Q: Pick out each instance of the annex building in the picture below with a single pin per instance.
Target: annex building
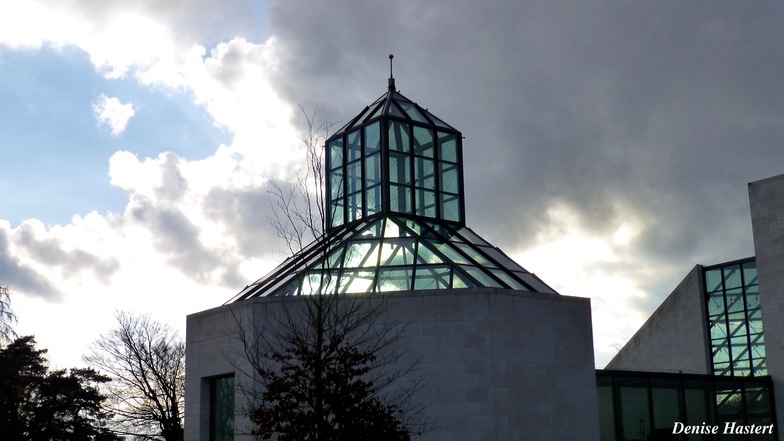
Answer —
(502, 355)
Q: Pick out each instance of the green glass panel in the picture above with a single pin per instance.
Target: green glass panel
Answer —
(713, 280)
(755, 325)
(447, 250)
(393, 110)
(425, 255)
(354, 146)
(729, 402)
(425, 203)
(336, 184)
(718, 329)
(450, 207)
(460, 280)
(354, 206)
(289, 289)
(734, 299)
(319, 282)
(471, 237)
(413, 225)
(449, 179)
(431, 277)
(412, 112)
(373, 169)
(752, 297)
(400, 198)
(373, 200)
(373, 230)
(606, 413)
(424, 173)
(480, 276)
(665, 408)
(336, 153)
(356, 281)
(372, 138)
(750, 273)
(354, 175)
(336, 257)
(447, 147)
(336, 210)
(501, 259)
(635, 417)
(736, 323)
(398, 252)
(508, 280)
(222, 409)
(697, 407)
(716, 303)
(399, 138)
(361, 254)
(399, 168)
(732, 277)
(394, 279)
(475, 255)
(392, 229)
(423, 142)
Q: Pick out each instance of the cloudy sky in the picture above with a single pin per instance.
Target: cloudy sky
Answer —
(607, 148)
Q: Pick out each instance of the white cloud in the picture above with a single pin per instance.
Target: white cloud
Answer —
(113, 113)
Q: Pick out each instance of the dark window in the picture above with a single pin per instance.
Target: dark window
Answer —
(222, 409)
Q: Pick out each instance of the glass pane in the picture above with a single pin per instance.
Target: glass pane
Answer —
(716, 303)
(336, 212)
(449, 180)
(450, 207)
(372, 138)
(222, 409)
(425, 203)
(460, 280)
(606, 413)
(424, 173)
(412, 112)
(400, 198)
(713, 280)
(393, 110)
(423, 142)
(447, 147)
(732, 276)
(373, 200)
(509, 280)
(361, 255)
(636, 423)
(752, 297)
(336, 184)
(398, 252)
(481, 277)
(750, 273)
(373, 169)
(336, 153)
(394, 279)
(665, 409)
(431, 277)
(354, 206)
(475, 255)
(425, 255)
(356, 281)
(354, 146)
(399, 168)
(398, 137)
(734, 299)
(354, 175)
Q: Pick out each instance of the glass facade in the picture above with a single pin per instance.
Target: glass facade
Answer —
(222, 409)
(395, 157)
(735, 319)
(645, 406)
(395, 253)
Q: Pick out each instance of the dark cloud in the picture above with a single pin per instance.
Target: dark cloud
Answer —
(658, 111)
(52, 253)
(177, 238)
(21, 279)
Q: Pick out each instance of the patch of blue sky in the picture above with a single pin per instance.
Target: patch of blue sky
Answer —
(54, 156)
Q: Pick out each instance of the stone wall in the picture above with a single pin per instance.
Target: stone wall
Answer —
(496, 364)
(675, 336)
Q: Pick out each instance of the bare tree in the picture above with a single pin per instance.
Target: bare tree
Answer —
(146, 362)
(7, 317)
(328, 367)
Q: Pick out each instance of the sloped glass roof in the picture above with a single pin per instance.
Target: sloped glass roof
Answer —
(394, 253)
(393, 103)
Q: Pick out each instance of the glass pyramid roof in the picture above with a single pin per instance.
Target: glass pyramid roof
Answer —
(387, 253)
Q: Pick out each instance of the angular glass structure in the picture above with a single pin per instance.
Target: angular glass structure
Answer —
(735, 319)
(394, 157)
(395, 214)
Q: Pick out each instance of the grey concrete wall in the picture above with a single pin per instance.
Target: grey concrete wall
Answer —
(675, 336)
(766, 199)
(497, 364)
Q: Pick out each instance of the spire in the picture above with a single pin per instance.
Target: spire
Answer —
(391, 78)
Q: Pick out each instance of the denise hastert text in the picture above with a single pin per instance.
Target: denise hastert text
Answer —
(730, 428)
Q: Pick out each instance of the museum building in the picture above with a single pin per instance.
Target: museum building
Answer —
(502, 355)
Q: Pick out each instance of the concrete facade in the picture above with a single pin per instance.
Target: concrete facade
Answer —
(766, 199)
(677, 328)
(496, 364)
